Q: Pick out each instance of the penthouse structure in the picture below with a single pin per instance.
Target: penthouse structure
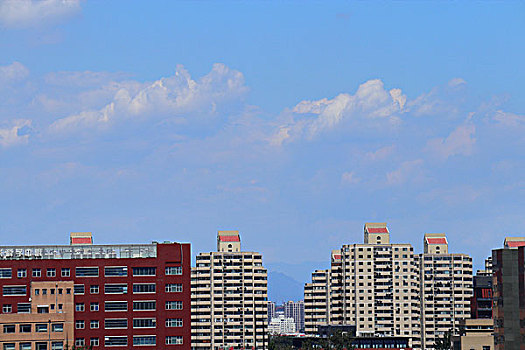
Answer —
(119, 296)
(445, 289)
(373, 286)
(229, 297)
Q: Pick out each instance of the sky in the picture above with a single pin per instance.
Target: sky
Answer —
(292, 122)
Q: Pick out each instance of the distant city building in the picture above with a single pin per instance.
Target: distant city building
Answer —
(271, 311)
(509, 296)
(125, 296)
(295, 310)
(229, 297)
(281, 325)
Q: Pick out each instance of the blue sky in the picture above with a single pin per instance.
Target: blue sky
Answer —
(294, 122)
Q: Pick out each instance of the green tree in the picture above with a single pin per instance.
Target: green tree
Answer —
(445, 342)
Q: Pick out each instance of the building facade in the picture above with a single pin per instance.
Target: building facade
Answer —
(295, 310)
(509, 297)
(118, 296)
(373, 286)
(445, 289)
(229, 297)
(481, 301)
(281, 325)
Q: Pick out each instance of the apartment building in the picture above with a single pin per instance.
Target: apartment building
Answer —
(509, 296)
(373, 286)
(295, 310)
(229, 297)
(119, 296)
(281, 325)
(445, 289)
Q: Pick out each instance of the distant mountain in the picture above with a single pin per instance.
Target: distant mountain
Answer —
(282, 288)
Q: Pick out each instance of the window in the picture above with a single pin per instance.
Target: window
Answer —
(57, 345)
(91, 271)
(60, 290)
(174, 305)
(115, 288)
(78, 289)
(115, 271)
(25, 346)
(57, 327)
(41, 327)
(42, 309)
(79, 324)
(37, 272)
(6, 273)
(79, 307)
(173, 340)
(60, 307)
(41, 346)
(174, 270)
(93, 341)
(93, 324)
(66, 272)
(115, 341)
(44, 291)
(14, 290)
(116, 323)
(144, 271)
(144, 340)
(144, 305)
(93, 289)
(7, 308)
(94, 306)
(9, 328)
(173, 287)
(68, 290)
(25, 328)
(144, 323)
(51, 272)
(144, 288)
(116, 306)
(174, 322)
(9, 346)
(21, 273)
(80, 342)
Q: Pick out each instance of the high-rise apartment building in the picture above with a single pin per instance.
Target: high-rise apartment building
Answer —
(271, 311)
(509, 296)
(295, 310)
(481, 300)
(445, 289)
(229, 297)
(373, 286)
(134, 296)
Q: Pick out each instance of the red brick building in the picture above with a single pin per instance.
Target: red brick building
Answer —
(123, 296)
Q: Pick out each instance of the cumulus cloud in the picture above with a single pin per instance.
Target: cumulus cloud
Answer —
(29, 13)
(13, 72)
(173, 96)
(460, 141)
(381, 153)
(440, 100)
(349, 178)
(15, 133)
(370, 102)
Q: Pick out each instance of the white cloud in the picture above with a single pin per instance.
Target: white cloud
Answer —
(28, 13)
(14, 72)
(509, 119)
(381, 153)
(406, 171)
(13, 134)
(172, 96)
(370, 102)
(460, 141)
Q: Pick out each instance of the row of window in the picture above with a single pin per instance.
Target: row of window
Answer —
(28, 328)
(138, 340)
(92, 271)
(122, 323)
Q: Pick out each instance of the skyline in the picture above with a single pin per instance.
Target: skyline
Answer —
(293, 124)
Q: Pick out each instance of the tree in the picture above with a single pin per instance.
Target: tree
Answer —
(445, 342)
